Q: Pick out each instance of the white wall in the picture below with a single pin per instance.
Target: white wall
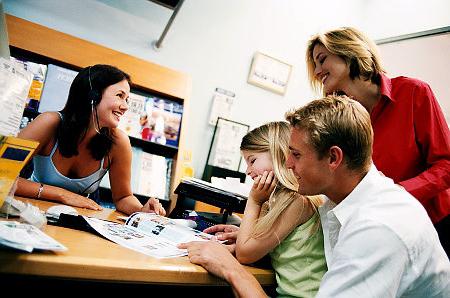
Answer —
(387, 18)
(214, 41)
(411, 58)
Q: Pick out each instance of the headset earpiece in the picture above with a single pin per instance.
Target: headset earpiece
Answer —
(94, 97)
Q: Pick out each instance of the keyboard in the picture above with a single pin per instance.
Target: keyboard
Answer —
(201, 221)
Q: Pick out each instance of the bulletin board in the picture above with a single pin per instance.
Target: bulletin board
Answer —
(224, 151)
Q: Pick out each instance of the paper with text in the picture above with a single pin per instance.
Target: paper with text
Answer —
(149, 233)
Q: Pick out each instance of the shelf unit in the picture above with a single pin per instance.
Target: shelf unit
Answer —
(66, 50)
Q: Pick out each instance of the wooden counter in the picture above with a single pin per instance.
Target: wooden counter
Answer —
(90, 257)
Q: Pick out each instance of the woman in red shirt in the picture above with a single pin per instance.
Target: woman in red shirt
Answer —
(411, 136)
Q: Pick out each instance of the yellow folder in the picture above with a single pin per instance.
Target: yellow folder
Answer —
(14, 154)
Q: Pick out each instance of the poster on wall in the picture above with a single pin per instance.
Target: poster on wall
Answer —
(161, 121)
(153, 119)
(222, 103)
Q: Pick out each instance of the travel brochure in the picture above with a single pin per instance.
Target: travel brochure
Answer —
(148, 233)
(37, 84)
(15, 82)
(150, 175)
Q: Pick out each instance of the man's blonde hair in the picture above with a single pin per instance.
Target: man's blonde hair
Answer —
(358, 51)
(273, 137)
(337, 121)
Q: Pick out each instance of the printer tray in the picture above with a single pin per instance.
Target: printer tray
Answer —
(210, 195)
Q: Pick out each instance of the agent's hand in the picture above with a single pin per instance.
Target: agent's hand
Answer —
(211, 255)
(153, 205)
(263, 187)
(73, 199)
(226, 233)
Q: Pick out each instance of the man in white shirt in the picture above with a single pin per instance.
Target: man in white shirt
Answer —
(379, 241)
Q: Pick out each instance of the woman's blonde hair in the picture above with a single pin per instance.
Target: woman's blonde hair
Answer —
(273, 137)
(358, 51)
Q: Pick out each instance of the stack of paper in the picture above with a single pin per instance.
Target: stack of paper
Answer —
(26, 237)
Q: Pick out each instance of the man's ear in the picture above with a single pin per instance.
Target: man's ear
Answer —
(336, 157)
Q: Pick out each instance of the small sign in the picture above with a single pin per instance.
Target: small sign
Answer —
(269, 73)
(222, 103)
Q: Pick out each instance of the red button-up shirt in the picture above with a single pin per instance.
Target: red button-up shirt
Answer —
(412, 142)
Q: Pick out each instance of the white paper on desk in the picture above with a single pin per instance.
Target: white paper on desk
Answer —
(148, 233)
(166, 228)
(26, 237)
(135, 239)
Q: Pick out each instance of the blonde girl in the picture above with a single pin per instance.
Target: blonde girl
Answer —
(289, 230)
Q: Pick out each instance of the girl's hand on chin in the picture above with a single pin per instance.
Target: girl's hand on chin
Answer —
(263, 186)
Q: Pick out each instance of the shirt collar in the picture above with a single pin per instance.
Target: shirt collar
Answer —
(358, 196)
(386, 87)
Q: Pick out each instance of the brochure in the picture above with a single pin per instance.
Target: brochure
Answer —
(37, 84)
(56, 88)
(130, 121)
(148, 233)
(15, 82)
(26, 237)
(150, 175)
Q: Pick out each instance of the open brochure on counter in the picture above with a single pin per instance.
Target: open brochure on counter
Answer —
(149, 233)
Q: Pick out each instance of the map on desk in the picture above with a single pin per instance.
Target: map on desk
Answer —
(151, 234)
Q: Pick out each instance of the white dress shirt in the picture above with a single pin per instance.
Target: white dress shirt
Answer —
(380, 242)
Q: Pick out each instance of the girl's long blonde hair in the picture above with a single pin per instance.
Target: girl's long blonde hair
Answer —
(273, 137)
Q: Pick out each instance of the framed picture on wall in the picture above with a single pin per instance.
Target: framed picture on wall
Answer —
(269, 73)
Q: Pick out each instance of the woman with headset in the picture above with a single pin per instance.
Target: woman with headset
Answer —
(81, 143)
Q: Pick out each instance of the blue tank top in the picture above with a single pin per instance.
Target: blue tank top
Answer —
(45, 172)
